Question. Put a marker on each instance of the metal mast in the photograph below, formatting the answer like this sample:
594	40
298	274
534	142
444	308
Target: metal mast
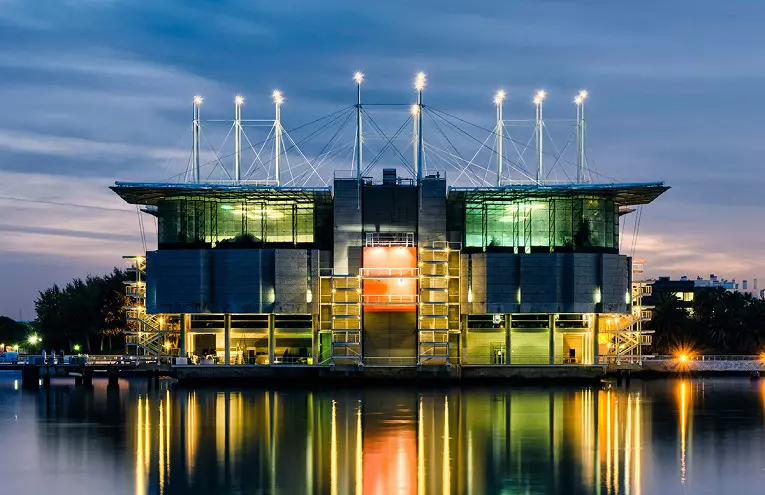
196	131
499	97
238	101
419	85
539	98
359	78
580	132
415	111
278	100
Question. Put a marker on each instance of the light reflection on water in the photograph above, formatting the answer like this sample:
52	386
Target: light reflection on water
683	436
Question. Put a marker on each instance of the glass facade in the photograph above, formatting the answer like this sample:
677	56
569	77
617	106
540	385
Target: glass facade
205	223
580	223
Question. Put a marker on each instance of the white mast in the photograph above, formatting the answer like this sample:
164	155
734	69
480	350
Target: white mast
499	97
359	78
278	100
539	98
238	101
415	111
580	132
419	85
196	131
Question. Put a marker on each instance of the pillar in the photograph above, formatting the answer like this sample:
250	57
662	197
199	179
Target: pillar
227	338
595	350
271	340
185	325
508	329
315	339
551	327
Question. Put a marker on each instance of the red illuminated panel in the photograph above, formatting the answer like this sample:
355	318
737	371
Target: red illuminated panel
394	286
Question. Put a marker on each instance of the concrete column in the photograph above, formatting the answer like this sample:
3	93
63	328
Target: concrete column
271	340
551	326
185	324
315	339
595	350
227	338
508	328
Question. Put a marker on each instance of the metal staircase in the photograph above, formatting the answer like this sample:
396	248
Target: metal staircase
147	334
628	337
346	319
439	302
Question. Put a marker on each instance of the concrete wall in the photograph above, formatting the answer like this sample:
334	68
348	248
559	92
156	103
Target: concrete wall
347	227
231	281
390	334
548	283
431	216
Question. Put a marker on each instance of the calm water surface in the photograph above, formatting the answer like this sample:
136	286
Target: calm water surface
673	436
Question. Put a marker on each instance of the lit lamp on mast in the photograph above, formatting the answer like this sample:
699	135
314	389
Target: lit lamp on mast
419	85
499	97
278	98
539	98
358	77
580	131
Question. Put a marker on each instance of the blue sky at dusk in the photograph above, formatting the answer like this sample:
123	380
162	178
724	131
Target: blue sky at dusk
93	91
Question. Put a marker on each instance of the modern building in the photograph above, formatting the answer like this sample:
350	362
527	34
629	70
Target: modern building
399	271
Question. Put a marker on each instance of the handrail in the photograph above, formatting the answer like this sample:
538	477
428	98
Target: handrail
389	272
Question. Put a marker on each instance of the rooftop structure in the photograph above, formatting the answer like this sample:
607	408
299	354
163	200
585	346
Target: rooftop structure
409	270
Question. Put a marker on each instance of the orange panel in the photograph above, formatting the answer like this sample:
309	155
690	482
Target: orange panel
390	294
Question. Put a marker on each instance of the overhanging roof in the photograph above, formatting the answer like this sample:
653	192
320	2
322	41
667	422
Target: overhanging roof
623	194
149	193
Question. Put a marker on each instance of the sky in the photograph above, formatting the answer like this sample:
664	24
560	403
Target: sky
93	91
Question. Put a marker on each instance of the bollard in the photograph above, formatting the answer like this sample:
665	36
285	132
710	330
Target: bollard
87	378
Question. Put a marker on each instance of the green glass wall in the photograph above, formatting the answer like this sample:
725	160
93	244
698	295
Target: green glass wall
200	222
555	224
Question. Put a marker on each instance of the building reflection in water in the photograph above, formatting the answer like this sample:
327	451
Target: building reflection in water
395	442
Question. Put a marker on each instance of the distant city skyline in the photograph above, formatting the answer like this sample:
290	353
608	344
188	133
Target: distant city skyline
97	91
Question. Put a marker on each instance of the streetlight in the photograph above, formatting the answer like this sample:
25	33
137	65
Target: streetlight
76	348
33	339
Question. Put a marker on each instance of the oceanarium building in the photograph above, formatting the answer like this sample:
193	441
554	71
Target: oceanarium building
398	271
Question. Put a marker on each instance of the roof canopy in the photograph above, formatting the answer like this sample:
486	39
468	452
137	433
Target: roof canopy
147	193
623	194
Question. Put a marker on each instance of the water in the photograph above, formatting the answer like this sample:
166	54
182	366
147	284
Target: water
666	436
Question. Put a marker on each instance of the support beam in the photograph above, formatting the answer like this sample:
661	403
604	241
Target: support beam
580	132
508	338
359	78
185	325
238	101
539	99
196	137
227	338
271	339
278	100
500	131
551	326
595	349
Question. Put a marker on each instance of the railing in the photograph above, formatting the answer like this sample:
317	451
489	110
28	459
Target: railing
711	357
389	272
388	299
389	239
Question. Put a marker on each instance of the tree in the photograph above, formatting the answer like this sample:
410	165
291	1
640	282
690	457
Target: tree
84	310
12	331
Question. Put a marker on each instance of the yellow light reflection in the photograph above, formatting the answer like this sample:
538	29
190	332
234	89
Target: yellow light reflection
683	428
333	450
446	467
161	449
140	473
638	449
359	453
191	429
420	450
